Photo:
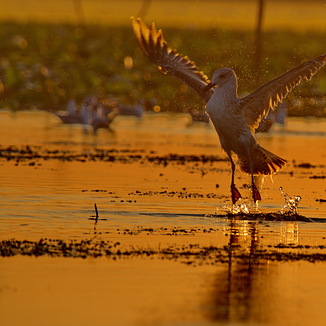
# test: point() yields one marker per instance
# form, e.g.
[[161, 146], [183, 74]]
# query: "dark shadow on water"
[[171, 215], [276, 216], [238, 294]]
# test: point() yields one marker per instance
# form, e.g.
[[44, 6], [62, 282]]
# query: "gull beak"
[[209, 86]]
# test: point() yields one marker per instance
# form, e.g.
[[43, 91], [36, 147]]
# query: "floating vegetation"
[[276, 216], [179, 194], [30, 153], [186, 253]]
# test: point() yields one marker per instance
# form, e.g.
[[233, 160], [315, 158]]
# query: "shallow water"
[[49, 188], [155, 292]]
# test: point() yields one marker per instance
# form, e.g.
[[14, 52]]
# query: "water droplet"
[[291, 202]]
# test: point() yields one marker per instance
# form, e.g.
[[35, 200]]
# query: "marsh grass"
[[43, 65]]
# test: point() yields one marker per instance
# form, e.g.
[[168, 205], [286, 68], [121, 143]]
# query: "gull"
[[235, 119], [71, 115], [136, 110], [101, 118]]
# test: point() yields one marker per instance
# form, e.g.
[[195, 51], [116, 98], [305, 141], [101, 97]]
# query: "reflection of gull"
[[234, 119]]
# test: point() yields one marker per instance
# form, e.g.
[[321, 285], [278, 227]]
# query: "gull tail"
[[264, 162]]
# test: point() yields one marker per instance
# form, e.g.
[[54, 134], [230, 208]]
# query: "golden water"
[[55, 199]]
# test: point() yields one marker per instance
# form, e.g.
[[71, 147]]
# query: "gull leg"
[[255, 192], [235, 194]]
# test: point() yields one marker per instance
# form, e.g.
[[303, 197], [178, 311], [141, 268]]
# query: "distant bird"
[[277, 115], [235, 119], [71, 115], [136, 110], [102, 119], [199, 116], [91, 112]]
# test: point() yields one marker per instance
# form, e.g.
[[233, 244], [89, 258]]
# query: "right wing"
[[169, 61], [268, 96]]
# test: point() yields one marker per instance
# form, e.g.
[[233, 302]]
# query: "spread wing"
[[268, 96], [169, 61]]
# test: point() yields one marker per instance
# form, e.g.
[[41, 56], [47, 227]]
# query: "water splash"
[[239, 209], [291, 202]]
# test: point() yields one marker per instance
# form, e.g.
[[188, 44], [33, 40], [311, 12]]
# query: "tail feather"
[[264, 162]]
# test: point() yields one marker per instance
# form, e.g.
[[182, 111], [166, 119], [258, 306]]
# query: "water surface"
[[160, 190]]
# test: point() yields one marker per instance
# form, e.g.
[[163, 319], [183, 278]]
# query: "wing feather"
[[168, 60], [257, 104]]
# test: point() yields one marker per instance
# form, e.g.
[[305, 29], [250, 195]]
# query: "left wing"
[[169, 61]]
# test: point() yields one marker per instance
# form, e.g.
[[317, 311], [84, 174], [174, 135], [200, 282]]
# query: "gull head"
[[221, 77]]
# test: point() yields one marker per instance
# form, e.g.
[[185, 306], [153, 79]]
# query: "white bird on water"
[[235, 119]]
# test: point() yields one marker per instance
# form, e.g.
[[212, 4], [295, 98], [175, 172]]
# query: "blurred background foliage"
[[44, 64]]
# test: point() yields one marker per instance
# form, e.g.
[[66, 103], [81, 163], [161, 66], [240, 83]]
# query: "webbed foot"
[[255, 193], [235, 194]]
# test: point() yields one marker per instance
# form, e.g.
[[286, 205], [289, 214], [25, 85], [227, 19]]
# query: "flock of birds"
[[95, 113], [92, 112]]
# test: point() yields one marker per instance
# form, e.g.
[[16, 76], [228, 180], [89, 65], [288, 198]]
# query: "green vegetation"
[[44, 65]]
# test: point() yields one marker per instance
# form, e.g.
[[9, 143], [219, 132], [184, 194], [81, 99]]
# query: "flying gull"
[[235, 119]]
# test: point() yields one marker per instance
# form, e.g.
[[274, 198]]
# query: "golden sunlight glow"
[[128, 62], [156, 108], [198, 14]]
